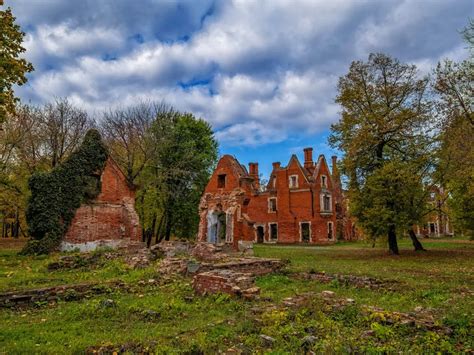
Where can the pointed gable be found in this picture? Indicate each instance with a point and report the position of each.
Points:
(227, 174)
(294, 167)
(321, 169)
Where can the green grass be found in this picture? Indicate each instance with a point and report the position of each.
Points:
(170, 318)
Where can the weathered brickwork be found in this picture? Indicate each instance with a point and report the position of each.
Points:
(300, 203)
(110, 219)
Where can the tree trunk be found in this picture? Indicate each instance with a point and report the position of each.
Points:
(416, 243)
(158, 236)
(150, 232)
(392, 240)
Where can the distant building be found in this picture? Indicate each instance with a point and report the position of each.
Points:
(437, 222)
(300, 203)
(108, 220)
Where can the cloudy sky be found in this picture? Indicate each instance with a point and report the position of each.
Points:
(263, 73)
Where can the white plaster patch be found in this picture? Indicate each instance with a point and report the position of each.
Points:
(89, 246)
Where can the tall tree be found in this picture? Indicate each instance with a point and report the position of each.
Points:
(186, 152)
(12, 67)
(384, 119)
(453, 83)
(64, 126)
(126, 131)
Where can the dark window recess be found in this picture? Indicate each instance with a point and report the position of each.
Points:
(273, 205)
(221, 181)
(260, 234)
(330, 231)
(326, 203)
(273, 231)
(305, 232)
(246, 201)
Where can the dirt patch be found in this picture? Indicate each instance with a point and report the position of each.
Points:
(13, 243)
(127, 348)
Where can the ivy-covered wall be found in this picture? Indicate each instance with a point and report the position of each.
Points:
(56, 195)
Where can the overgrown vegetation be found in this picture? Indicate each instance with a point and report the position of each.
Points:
(56, 195)
(166, 316)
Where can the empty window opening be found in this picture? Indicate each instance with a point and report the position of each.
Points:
(324, 181)
(293, 181)
(272, 204)
(273, 232)
(326, 203)
(330, 230)
(221, 181)
(260, 234)
(305, 232)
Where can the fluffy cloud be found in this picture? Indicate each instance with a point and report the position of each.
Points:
(259, 72)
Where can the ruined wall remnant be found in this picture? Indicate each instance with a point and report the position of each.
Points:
(108, 220)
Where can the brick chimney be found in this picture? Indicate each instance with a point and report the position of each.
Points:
(253, 172)
(308, 157)
(276, 165)
(335, 171)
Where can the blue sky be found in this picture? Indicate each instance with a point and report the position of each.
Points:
(263, 73)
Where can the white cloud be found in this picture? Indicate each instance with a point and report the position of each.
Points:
(269, 69)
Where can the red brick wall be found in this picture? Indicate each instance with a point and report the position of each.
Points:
(111, 216)
(295, 205)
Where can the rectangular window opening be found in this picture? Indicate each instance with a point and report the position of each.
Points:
(273, 232)
(221, 181)
(326, 203)
(293, 181)
(330, 230)
(272, 204)
(305, 232)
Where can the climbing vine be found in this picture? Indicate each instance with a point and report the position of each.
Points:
(56, 195)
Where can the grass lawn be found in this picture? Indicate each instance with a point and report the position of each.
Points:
(168, 317)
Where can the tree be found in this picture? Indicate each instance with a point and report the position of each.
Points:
(63, 126)
(186, 152)
(125, 131)
(454, 86)
(468, 34)
(455, 90)
(385, 118)
(168, 156)
(12, 68)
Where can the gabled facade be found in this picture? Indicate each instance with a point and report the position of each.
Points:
(302, 203)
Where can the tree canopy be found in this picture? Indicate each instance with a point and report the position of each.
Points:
(383, 134)
(12, 67)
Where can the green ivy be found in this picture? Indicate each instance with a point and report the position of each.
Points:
(56, 195)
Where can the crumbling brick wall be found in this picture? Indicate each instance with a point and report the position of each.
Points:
(109, 219)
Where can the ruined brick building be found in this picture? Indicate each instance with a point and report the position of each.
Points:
(437, 222)
(110, 219)
(300, 203)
